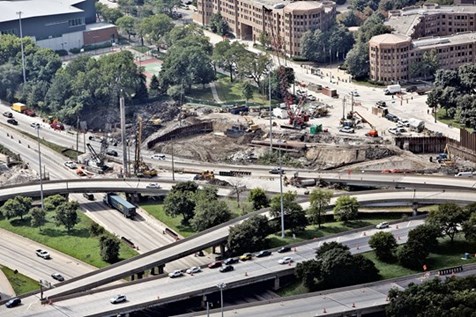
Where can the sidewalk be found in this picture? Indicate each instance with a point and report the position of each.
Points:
(6, 289)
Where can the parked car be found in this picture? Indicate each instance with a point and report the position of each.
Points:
(12, 121)
(57, 277)
(391, 117)
(193, 270)
(382, 225)
(276, 170)
(285, 260)
(88, 196)
(215, 264)
(263, 253)
(13, 302)
(8, 114)
(152, 185)
(381, 103)
(43, 254)
(35, 125)
(403, 123)
(226, 268)
(118, 299)
(246, 257)
(70, 164)
(231, 261)
(158, 157)
(394, 131)
(354, 93)
(284, 249)
(112, 153)
(347, 130)
(176, 273)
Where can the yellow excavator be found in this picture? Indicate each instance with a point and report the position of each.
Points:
(141, 169)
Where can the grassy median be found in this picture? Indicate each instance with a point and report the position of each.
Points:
(21, 284)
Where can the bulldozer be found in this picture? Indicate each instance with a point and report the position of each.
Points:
(204, 176)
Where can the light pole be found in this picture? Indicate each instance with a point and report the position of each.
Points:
(39, 162)
(221, 286)
(22, 50)
(270, 116)
(281, 189)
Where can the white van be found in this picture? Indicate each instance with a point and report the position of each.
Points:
(464, 174)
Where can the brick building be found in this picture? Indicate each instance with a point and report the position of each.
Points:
(449, 31)
(282, 20)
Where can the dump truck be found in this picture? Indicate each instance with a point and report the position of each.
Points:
(117, 202)
(18, 107)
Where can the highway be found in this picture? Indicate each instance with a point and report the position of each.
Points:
(163, 290)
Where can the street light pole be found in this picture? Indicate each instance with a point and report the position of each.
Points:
(270, 116)
(221, 286)
(39, 162)
(281, 190)
(22, 50)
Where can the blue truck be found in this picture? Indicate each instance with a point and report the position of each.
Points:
(115, 201)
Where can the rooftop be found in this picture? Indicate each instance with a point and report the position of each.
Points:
(459, 38)
(389, 38)
(439, 9)
(36, 8)
(403, 24)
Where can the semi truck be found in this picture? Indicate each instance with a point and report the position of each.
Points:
(392, 89)
(115, 201)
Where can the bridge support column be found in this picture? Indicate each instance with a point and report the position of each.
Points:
(203, 302)
(214, 249)
(161, 269)
(222, 249)
(276, 283)
(140, 275)
(415, 208)
(154, 271)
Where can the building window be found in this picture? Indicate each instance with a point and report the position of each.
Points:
(75, 22)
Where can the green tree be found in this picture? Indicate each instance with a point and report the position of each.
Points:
(52, 202)
(67, 215)
(246, 91)
(319, 200)
(96, 229)
(38, 217)
(448, 217)
(385, 245)
(254, 66)
(181, 201)
(346, 208)
(294, 215)
(127, 24)
(250, 235)
(111, 15)
(265, 39)
(357, 61)
(219, 25)
(258, 198)
(109, 248)
(16, 207)
(154, 86)
(412, 254)
(469, 228)
(210, 213)
(167, 6)
(156, 27)
(426, 67)
(308, 272)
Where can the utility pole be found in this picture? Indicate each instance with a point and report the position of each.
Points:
(122, 110)
(343, 108)
(173, 168)
(270, 116)
(77, 139)
(22, 49)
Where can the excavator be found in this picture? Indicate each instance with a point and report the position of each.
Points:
(141, 169)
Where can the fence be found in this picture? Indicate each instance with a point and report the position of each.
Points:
(451, 270)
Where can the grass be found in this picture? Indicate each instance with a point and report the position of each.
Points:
(21, 284)
(174, 223)
(68, 152)
(442, 117)
(201, 93)
(388, 270)
(78, 244)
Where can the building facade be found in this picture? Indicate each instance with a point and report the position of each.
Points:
(449, 32)
(55, 24)
(283, 21)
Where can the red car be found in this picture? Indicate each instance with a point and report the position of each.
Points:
(215, 264)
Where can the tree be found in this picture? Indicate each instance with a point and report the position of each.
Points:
(156, 27)
(357, 61)
(412, 254)
(294, 215)
(319, 200)
(38, 217)
(253, 65)
(426, 67)
(96, 230)
(154, 86)
(16, 207)
(258, 198)
(219, 25)
(111, 15)
(346, 208)
(448, 217)
(469, 226)
(210, 213)
(308, 272)
(385, 245)
(67, 215)
(248, 236)
(247, 91)
(127, 24)
(52, 202)
(181, 201)
(109, 248)
(167, 6)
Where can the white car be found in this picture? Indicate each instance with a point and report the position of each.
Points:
(158, 157)
(118, 299)
(152, 185)
(43, 254)
(193, 270)
(382, 225)
(70, 164)
(354, 93)
(394, 131)
(285, 260)
(176, 273)
(35, 125)
(346, 130)
(403, 123)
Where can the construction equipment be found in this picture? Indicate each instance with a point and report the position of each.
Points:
(372, 133)
(446, 158)
(204, 176)
(141, 169)
(98, 159)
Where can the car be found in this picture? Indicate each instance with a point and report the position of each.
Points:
(381, 103)
(158, 157)
(262, 254)
(152, 185)
(277, 170)
(193, 270)
(394, 131)
(382, 225)
(284, 249)
(215, 264)
(176, 273)
(57, 277)
(391, 117)
(246, 256)
(70, 164)
(412, 89)
(8, 114)
(346, 130)
(112, 153)
(35, 125)
(118, 299)
(13, 302)
(88, 196)
(285, 260)
(311, 98)
(354, 93)
(12, 121)
(43, 254)
(400, 129)
(403, 123)
(231, 261)
(226, 268)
